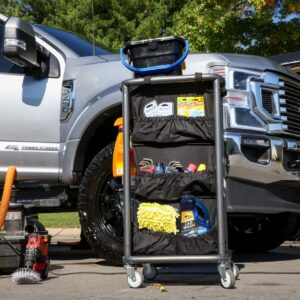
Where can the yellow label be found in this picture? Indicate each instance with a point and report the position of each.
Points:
(191, 106)
(196, 107)
(182, 106)
(187, 216)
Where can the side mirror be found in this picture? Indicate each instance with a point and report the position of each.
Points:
(19, 45)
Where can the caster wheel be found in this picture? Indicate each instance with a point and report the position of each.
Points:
(149, 272)
(138, 282)
(236, 271)
(229, 281)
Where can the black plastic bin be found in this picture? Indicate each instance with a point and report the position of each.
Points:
(147, 56)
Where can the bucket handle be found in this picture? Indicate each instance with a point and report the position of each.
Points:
(203, 222)
(155, 69)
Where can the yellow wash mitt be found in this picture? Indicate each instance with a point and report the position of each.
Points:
(157, 217)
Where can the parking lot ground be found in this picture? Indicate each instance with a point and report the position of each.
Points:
(78, 274)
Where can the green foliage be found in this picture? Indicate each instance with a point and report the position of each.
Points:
(223, 26)
(240, 26)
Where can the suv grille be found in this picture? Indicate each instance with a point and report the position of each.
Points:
(289, 99)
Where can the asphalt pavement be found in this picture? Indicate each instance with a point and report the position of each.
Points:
(79, 274)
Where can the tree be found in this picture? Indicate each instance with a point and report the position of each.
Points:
(253, 26)
(114, 22)
(263, 27)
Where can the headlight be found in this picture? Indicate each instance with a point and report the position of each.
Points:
(240, 79)
(245, 117)
(237, 99)
(237, 102)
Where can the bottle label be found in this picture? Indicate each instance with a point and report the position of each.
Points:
(187, 216)
(187, 220)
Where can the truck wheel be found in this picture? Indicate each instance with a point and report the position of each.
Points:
(99, 208)
(260, 233)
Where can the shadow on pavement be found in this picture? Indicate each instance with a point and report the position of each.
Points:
(283, 253)
(206, 273)
(60, 252)
(87, 273)
(186, 279)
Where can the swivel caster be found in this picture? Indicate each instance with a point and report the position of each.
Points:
(149, 272)
(136, 282)
(236, 271)
(229, 281)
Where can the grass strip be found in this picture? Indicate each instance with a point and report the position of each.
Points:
(60, 220)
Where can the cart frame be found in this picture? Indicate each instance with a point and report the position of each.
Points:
(223, 256)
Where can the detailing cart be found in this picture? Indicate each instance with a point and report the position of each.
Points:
(166, 138)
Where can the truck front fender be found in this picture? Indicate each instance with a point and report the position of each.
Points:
(105, 106)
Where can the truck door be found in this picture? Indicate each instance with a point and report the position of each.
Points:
(30, 119)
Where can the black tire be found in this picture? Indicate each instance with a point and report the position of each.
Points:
(260, 233)
(99, 207)
(295, 236)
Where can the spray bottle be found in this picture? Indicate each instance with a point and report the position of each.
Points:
(118, 168)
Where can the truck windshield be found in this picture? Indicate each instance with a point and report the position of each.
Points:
(75, 42)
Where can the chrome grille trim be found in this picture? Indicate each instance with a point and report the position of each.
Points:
(289, 99)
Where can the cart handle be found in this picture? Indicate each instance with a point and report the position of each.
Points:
(155, 69)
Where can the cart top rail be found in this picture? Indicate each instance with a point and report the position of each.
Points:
(197, 77)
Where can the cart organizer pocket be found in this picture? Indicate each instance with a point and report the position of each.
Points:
(169, 187)
(202, 244)
(147, 242)
(173, 129)
(163, 100)
(184, 153)
(150, 242)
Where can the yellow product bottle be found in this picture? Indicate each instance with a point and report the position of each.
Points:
(201, 167)
(118, 168)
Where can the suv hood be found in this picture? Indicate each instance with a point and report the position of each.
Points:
(203, 61)
(288, 59)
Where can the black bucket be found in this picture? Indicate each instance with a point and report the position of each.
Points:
(155, 56)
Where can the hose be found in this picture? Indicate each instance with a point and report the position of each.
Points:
(9, 180)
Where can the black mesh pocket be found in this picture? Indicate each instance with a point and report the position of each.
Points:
(147, 242)
(201, 244)
(184, 153)
(173, 129)
(143, 96)
(164, 187)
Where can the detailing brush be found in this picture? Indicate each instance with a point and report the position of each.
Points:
(26, 276)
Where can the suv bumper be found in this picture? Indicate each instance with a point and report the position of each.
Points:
(261, 177)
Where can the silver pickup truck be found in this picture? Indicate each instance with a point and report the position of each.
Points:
(59, 101)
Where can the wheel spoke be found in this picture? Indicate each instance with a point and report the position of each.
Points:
(114, 183)
(109, 208)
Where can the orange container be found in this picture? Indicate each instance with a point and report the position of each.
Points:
(118, 168)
